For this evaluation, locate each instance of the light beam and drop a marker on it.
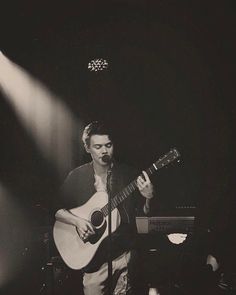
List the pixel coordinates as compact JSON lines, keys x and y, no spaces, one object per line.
{"x":46,"y":118}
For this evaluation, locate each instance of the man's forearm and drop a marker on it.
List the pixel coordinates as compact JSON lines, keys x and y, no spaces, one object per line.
{"x":146,"y":207}
{"x":84,"y":227}
{"x":66,"y":216}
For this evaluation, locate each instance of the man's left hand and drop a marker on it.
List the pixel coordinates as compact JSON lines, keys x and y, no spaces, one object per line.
{"x":145,"y":186}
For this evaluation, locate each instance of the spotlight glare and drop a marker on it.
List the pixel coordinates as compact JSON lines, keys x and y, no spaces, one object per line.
{"x":45,"y":116}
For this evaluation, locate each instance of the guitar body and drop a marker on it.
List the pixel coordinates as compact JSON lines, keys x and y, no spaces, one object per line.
{"x":75,"y":252}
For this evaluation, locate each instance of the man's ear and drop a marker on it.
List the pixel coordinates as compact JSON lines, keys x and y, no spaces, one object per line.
{"x":87,"y":149}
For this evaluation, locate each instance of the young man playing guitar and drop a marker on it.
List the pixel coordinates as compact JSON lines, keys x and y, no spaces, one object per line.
{"x":83,"y":187}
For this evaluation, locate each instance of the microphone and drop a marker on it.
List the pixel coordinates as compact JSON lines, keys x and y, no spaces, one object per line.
{"x":106,"y":159}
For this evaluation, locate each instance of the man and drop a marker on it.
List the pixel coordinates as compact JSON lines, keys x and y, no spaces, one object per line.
{"x":84,"y":182}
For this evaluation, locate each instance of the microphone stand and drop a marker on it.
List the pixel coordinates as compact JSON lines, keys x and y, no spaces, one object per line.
{"x":109,"y":189}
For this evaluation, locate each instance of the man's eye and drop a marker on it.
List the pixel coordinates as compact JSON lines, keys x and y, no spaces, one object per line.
{"x":97,"y":147}
{"x":108,"y":145}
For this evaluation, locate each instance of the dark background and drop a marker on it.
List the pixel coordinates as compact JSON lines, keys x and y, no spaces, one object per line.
{"x":170,"y":83}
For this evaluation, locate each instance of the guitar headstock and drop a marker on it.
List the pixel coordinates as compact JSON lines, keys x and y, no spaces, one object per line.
{"x":168,"y":158}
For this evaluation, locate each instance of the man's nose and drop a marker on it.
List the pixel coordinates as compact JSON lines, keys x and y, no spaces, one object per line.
{"x":104,"y":150}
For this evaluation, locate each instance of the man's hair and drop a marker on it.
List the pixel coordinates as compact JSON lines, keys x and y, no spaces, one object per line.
{"x":95,"y":128}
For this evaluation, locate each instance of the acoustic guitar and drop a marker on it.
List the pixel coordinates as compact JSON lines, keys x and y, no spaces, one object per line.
{"x":78,"y":253}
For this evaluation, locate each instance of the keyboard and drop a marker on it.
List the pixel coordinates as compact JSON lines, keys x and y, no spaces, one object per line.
{"x":165,"y":224}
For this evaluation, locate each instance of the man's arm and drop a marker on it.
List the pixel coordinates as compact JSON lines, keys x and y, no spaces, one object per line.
{"x":147,"y":207}
{"x":84,"y":227}
{"x":146,"y":189}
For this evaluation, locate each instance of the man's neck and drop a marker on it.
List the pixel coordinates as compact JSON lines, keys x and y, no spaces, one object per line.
{"x":100,"y":170}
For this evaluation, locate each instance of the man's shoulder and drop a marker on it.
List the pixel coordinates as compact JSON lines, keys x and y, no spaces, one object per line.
{"x":81,"y":170}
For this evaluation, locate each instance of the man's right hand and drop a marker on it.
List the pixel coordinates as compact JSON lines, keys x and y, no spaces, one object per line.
{"x":84,"y":228}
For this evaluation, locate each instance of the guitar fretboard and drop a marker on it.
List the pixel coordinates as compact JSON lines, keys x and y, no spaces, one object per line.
{"x":125,"y":193}
{"x":130,"y":188}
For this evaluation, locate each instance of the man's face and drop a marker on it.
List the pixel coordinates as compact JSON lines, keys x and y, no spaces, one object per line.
{"x":100,"y":145}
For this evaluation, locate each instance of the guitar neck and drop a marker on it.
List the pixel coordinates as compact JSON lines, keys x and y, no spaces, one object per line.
{"x":130,"y":188}
{"x":125,"y":193}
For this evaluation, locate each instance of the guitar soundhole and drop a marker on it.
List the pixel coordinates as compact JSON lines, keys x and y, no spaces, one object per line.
{"x":97,"y":218}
